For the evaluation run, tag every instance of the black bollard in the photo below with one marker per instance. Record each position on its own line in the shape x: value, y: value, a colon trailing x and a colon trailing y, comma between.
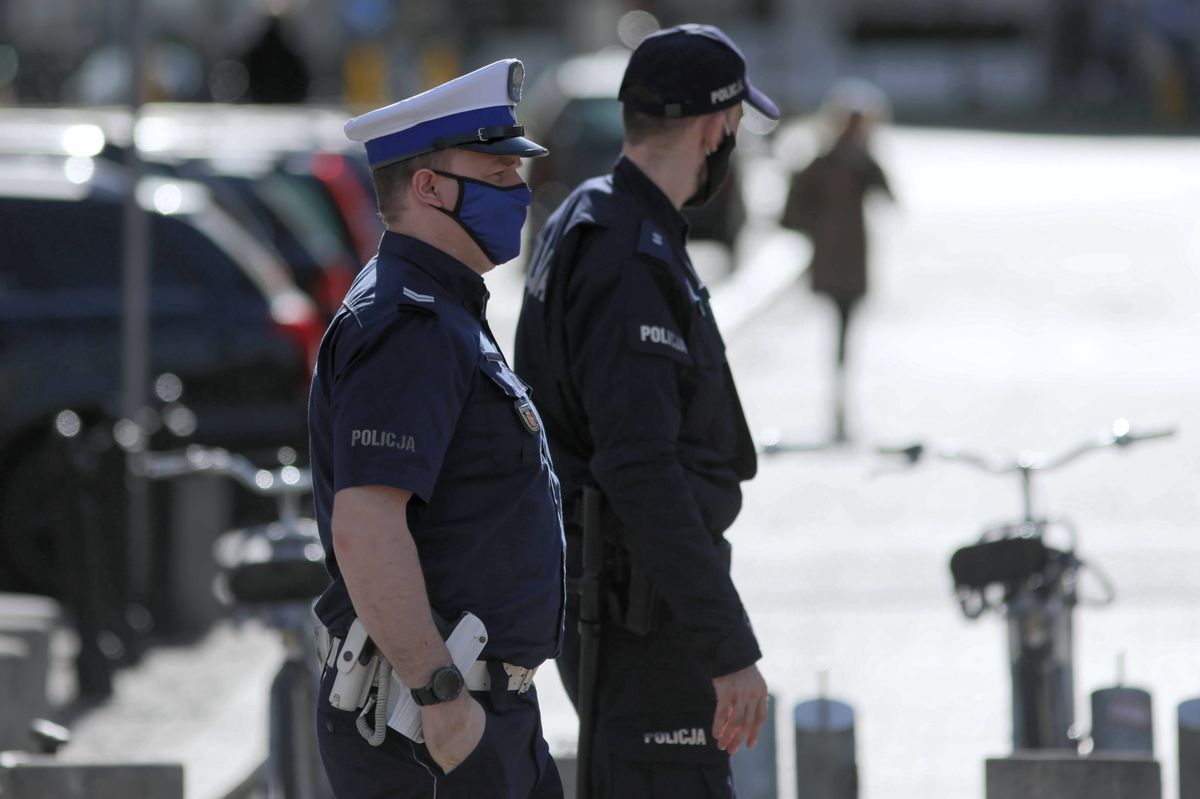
x: 1122, y: 720
x: 14, y: 715
x: 29, y: 700
x: 201, y: 509
x: 1189, y: 749
x: 825, y: 759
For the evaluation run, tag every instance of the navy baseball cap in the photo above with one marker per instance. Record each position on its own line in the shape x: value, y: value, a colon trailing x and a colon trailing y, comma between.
x: 689, y: 70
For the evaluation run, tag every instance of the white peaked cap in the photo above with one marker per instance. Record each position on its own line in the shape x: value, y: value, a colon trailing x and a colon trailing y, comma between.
x: 476, y: 111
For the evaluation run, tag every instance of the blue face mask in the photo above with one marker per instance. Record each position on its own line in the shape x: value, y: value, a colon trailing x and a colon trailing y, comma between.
x: 492, y: 215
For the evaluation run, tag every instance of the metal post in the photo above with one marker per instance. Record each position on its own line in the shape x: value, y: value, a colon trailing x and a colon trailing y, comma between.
x: 135, y: 301
x: 1122, y: 720
x: 14, y: 673
x: 201, y: 509
x: 1027, y: 491
x: 1189, y: 749
x: 1122, y: 717
x: 825, y: 760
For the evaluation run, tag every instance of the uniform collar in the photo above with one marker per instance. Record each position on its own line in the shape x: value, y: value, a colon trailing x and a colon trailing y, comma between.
x: 462, y: 283
x: 628, y: 176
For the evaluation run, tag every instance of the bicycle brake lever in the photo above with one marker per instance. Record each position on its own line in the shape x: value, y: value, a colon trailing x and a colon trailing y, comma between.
x: 911, y: 454
x: 1123, y: 434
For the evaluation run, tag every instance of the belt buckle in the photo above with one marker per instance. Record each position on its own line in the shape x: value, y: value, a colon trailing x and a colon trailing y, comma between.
x: 526, y: 678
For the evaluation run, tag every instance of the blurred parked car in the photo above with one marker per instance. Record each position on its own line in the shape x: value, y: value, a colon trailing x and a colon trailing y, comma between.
x: 259, y: 219
x: 307, y: 142
x: 226, y: 318
x: 291, y: 213
x: 287, y: 173
x: 346, y: 177
x: 573, y: 110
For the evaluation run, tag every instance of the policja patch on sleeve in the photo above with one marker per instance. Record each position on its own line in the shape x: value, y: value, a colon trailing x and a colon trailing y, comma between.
x: 653, y: 337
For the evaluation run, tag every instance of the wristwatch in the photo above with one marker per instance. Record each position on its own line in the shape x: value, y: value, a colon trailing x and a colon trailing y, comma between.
x: 445, y: 684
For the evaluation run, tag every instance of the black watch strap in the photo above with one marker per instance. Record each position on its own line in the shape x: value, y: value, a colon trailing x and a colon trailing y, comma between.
x: 444, y: 686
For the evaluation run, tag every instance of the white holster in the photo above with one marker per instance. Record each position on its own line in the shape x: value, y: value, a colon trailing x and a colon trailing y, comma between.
x: 366, y: 680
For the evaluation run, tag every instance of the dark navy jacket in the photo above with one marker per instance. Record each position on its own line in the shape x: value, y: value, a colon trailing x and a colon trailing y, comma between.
x: 411, y: 391
x: 619, y: 344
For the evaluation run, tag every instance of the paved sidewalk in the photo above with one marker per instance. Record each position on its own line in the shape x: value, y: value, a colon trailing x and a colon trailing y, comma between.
x: 203, y: 705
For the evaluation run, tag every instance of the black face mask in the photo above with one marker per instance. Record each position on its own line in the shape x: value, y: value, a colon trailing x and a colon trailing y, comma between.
x: 717, y: 169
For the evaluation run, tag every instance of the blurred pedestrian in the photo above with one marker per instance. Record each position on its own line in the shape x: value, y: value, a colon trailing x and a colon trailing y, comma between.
x: 276, y: 70
x: 825, y: 202
x: 432, y: 483
x: 618, y: 339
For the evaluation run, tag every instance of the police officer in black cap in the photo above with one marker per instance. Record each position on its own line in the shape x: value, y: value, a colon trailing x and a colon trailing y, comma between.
x: 435, y: 499
x: 619, y: 343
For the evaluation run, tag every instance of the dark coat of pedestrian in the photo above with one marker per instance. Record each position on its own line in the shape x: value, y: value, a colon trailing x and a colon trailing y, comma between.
x: 825, y: 202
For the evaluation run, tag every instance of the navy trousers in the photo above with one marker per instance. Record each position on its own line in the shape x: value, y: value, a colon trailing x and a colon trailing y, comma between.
x: 512, y: 760
x: 653, y: 737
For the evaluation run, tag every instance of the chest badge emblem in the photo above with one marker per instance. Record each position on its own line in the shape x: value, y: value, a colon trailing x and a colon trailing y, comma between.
x: 528, y: 415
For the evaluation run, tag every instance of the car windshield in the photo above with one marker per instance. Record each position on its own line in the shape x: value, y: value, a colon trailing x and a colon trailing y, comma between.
x: 598, y: 120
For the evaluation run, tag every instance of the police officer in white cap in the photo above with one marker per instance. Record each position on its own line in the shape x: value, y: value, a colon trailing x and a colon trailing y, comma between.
x: 432, y: 482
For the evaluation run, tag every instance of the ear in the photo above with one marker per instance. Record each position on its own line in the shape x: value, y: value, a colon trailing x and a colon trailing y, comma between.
x: 426, y: 188
x: 714, y: 131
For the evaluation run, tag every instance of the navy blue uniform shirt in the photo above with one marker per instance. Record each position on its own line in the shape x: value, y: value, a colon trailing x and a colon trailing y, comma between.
x: 411, y: 391
x: 618, y: 342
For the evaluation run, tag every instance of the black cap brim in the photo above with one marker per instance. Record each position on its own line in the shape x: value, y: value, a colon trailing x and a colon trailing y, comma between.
x: 514, y: 145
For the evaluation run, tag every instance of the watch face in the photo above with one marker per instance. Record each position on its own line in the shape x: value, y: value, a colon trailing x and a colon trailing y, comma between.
x: 447, y: 683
